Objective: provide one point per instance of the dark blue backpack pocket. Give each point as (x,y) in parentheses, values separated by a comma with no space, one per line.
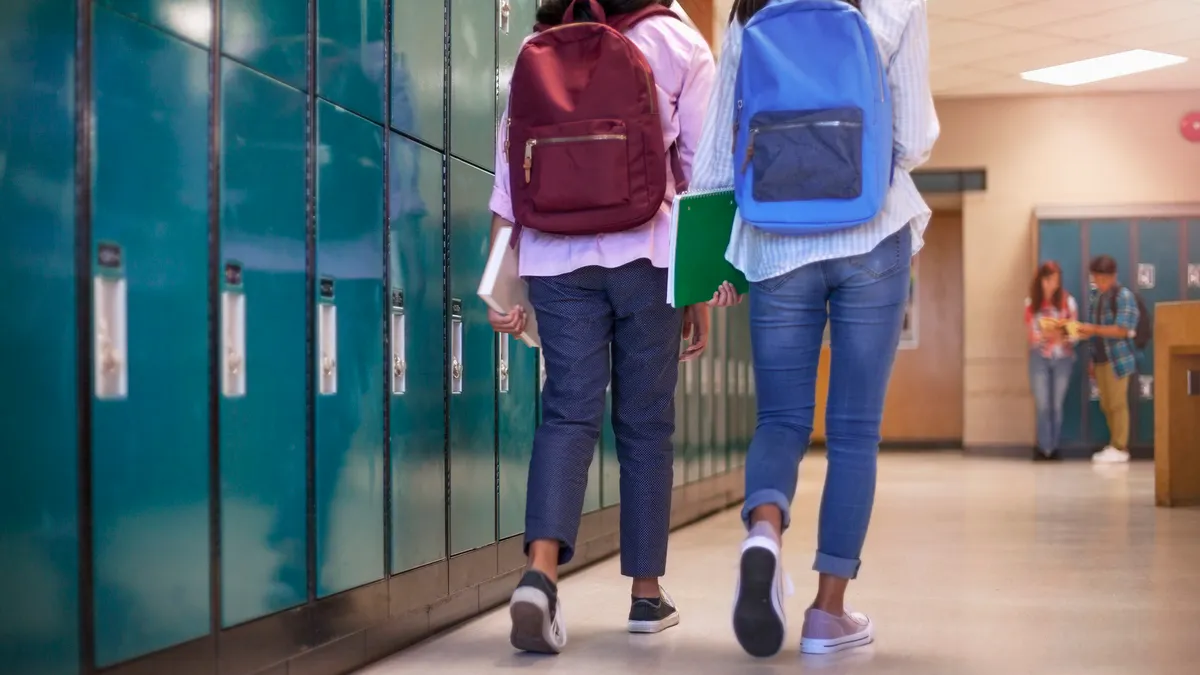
(806,155)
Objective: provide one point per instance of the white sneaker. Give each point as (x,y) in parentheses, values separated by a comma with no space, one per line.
(1111,455)
(829,634)
(758,617)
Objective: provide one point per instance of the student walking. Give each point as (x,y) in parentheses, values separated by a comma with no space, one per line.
(1051,353)
(827,116)
(589,157)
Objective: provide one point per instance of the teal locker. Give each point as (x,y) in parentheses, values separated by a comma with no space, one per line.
(515,23)
(691,441)
(418,404)
(721,391)
(517,403)
(263,405)
(348,351)
(708,394)
(351,56)
(1192,271)
(1062,242)
(39,566)
(592,493)
(679,469)
(150,443)
(609,480)
(472,366)
(188,19)
(269,36)
(473,81)
(1111,237)
(418,69)
(1157,276)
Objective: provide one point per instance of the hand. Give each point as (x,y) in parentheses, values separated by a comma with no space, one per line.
(513,322)
(695,331)
(726,296)
(1087,329)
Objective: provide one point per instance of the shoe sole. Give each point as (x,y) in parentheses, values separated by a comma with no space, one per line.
(815,646)
(530,612)
(758,627)
(651,627)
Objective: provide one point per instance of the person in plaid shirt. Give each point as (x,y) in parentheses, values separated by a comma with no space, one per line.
(1113,359)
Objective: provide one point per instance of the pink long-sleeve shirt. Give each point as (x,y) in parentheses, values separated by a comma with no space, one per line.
(683,71)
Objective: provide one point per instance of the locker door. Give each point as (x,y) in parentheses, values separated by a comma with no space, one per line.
(150,339)
(515,21)
(1111,237)
(262,345)
(609,478)
(707,407)
(517,394)
(692,458)
(1157,277)
(39,564)
(1193,259)
(348,351)
(473,81)
(269,36)
(351,56)
(417,386)
(678,438)
(472,366)
(1062,242)
(720,382)
(182,18)
(418,69)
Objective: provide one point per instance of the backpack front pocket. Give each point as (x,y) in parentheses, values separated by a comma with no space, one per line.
(806,155)
(578,167)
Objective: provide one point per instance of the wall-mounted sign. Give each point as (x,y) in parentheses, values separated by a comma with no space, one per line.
(1145,275)
(1193,278)
(1146,387)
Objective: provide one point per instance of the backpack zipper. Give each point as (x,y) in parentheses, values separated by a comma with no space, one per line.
(789,125)
(533,142)
(737,125)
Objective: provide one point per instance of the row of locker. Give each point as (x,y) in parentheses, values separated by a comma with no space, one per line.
(343,408)
(1157,257)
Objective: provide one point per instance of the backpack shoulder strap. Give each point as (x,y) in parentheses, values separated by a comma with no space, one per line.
(626,22)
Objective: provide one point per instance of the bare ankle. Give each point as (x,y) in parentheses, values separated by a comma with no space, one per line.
(646,588)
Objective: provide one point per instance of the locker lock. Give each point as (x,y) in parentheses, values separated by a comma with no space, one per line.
(110,362)
(398,366)
(328,364)
(456,369)
(503,369)
(234,361)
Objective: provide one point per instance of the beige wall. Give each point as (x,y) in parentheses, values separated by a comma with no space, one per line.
(1095,150)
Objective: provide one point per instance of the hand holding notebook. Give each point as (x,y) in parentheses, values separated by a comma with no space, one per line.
(502,287)
(701,225)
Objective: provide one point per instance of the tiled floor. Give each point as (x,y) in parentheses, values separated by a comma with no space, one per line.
(972,567)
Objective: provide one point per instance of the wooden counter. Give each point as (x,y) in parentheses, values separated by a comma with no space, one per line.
(1176,404)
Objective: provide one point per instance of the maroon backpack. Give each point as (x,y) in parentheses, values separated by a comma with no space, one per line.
(584,141)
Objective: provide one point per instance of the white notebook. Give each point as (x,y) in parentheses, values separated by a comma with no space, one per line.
(502,288)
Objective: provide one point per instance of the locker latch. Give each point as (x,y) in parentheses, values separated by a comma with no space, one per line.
(456,346)
(399,342)
(505,15)
(327,338)
(109,308)
(233,332)
(502,342)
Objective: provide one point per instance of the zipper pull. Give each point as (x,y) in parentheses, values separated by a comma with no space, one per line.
(749,150)
(737,125)
(529,159)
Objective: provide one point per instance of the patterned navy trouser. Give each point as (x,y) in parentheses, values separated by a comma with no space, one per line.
(580,316)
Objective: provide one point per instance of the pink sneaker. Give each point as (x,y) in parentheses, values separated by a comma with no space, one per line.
(825,633)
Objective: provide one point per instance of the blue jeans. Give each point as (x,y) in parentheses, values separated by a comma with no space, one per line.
(1049,379)
(863,297)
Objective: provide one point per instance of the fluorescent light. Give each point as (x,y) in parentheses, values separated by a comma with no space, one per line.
(1103,68)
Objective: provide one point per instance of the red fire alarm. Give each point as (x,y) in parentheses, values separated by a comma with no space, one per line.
(1189,126)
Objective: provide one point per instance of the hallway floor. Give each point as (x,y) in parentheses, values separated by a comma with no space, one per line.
(972,567)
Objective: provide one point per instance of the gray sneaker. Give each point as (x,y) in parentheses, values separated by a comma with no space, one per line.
(826,634)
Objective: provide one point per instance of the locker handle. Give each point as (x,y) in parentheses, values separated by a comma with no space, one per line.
(327,348)
(109,302)
(399,353)
(233,343)
(502,344)
(457,365)
(505,15)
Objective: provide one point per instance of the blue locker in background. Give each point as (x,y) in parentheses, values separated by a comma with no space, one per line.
(1193,259)
(189,19)
(351,55)
(150,444)
(692,442)
(517,404)
(677,439)
(472,365)
(270,36)
(1062,242)
(473,82)
(418,392)
(263,402)
(349,351)
(1158,247)
(39,558)
(609,479)
(418,67)
(1107,237)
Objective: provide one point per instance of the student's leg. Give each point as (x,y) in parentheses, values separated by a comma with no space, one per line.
(787,323)
(866,316)
(575,326)
(1062,371)
(1041,382)
(1119,418)
(645,359)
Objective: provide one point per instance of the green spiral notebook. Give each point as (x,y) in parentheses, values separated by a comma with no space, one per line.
(701,224)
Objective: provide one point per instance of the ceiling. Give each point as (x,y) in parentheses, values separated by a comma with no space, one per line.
(980,47)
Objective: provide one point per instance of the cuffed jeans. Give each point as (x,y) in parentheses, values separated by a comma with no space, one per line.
(1049,378)
(863,298)
(589,320)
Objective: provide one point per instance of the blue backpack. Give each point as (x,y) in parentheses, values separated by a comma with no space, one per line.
(813,150)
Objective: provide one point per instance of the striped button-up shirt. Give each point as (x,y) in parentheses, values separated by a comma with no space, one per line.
(902,33)
(1119,352)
